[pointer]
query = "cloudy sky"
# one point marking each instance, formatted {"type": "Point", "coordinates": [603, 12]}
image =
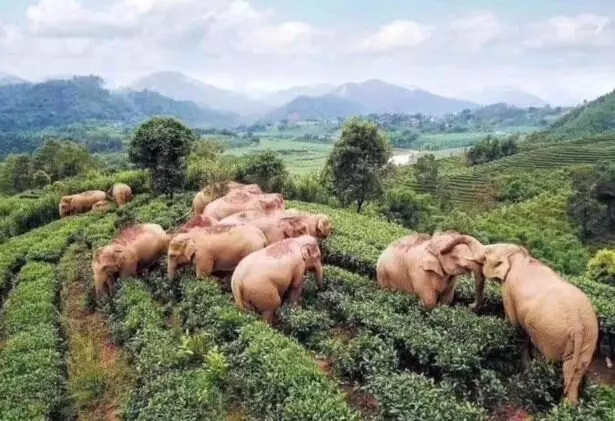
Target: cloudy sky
{"type": "Point", "coordinates": [562, 50]}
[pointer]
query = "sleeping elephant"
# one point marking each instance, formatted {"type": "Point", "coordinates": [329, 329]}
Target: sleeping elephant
{"type": "Point", "coordinates": [134, 249]}
{"type": "Point", "coordinates": [215, 249]}
{"type": "Point", "coordinates": [80, 203]}
{"type": "Point", "coordinates": [278, 228]}
{"type": "Point", "coordinates": [217, 190]}
{"type": "Point", "coordinates": [197, 222]}
{"type": "Point", "coordinates": [428, 266]}
{"type": "Point", "coordinates": [319, 225]}
{"type": "Point", "coordinates": [102, 206]}
{"type": "Point", "coordinates": [238, 201]}
{"type": "Point", "coordinates": [265, 278]}
{"type": "Point", "coordinates": [557, 317]}
{"type": "Point", "coordinates": [121, 194]}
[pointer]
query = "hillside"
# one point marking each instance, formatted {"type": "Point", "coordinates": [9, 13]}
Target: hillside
{"type": "Point", "coordinates": [325, 107]}
{"type": "Point", "coordinates": [595, 117]}
{"type": "Point", "coordinates": [59, 103]}
{"type": "Point", "coordinates": [381, 97]}
{"type": "Point", "coordinates": [184, 88]}
{"type": "Point", "coordinates": [7, 79]}
{"type": "Point", "coordinates": [281, 97]}
{"type": "Point", "coordinates": [508, 95]}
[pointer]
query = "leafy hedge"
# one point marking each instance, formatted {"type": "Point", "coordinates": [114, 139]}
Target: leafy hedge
{"type": "Point", "coordinates": [27, 213]}
{"type": "Point", "coordinates": [32, 384]}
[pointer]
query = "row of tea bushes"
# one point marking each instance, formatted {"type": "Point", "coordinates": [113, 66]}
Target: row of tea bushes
{"type": "Point", "coordinates": [359, 240]}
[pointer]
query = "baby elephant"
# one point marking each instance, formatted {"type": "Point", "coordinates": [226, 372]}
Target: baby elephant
{"type": "Point", "coordinates": [265, 278]}
{"type": "Point", "coordinates": [135, 249]}
{"type": "Point", "coordinates": [556, 315]}
{"type": "Point", "coordinates": [215, 249]}
{"type": "Point", "coordinates": [121, 194]}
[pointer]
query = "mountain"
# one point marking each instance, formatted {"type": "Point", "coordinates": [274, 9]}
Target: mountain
{"type": "Point", "coordinates": [6, 79]}
{"type": "Point", "coordinates": [58, 103]}
{"type": "Point", "coordinates": [282, 97]}
{"type": "Point", "coordinates": [508, 95]}
{"type": "Point", "coordinates": [184, 88]}
{"type": "Point", "coordinates": [316, 108]}
{"type": "Point", "coordinates": [381, 97]}
{"type": "Point", "coordinates": [594, 117]}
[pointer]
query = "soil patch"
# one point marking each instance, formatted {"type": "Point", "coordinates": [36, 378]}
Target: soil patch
{"type": "Point", "coordinates": [600, 373]}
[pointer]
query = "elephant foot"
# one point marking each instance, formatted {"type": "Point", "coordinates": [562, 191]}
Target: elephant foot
{"type": "Point", "coordinates": [609, 364]}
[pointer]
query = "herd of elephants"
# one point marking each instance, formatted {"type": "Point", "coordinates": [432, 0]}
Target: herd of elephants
{"type": "Point", "coordinates": [237, 228]}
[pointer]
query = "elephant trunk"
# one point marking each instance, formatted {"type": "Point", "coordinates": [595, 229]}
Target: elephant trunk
{"type": "Point", "coordinates": [100, 280]}
{"type": "Point", "coordinates": [171, 269]}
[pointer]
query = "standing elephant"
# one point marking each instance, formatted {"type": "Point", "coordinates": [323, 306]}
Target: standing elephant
{"type": "Point", "coordinates": [80, 203]}
{"type": "Point", "coordinates": [135, 249]}
{"type": "Point", "coordinates": [557, 317]}
{"type": "Point", "coordinates": [238, 201]}
{"type": "Point", "coordinates": [121, 193]}
{"type": "Point", "coordinates": [217, 190]}
{"type": "Point", "coordinates": [428, 266]}
{"type": "Point", "coordinates": [215, 249]}
{"type": "Point", "coordinates": [265, 278]}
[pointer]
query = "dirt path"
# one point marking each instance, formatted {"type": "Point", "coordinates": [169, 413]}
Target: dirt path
{"type": "Point", "coordinates": [98, 373]}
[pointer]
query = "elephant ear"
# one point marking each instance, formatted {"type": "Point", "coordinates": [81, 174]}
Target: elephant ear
{"type": "Point", "coordinates": [431, 263]}
{"type": "Point", "coordinates": [321, 225]}
{"type": "Point", "coordinates": [189, 249]}
{"type": "Point", "coordinates": [309, 251]}
{"type": "Point", "coordinates": [288, 229]}
{"type": "Point", "coordinates": [497, 266]}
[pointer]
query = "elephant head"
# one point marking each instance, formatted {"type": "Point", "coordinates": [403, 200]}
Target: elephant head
{"type": "Point", "coordinates": [496, 260]}
{"type": "Point", "coordinates": [66, 206]}
{"type": "Point", "coordinates": [181, 252]}
{"type": "Point", "coordinates": [310, 252]}
{"type": "Point", "coordinates": [323, 226]}
{"type": "Point", "coordinates": [294, 227]}
{"type": "Point", "coordinates": [458, 254]}
{"type": "Point", "coordinates": [107, 264]}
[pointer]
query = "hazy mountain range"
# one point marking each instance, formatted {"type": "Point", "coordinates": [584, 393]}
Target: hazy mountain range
{"type": "Point", "coordinates": [321, 101]}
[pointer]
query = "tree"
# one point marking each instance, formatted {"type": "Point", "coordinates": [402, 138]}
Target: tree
{"type": "Point", "coordinates": [426, 172]}
{"type": "Point", "coordinates": [266, 169]}
{"type": "Point", "coordinates": [15, 174]}
{"type": "Point", "coordinates": [358, 162]}
{"type": "Point", "coordinates": [161, 145]}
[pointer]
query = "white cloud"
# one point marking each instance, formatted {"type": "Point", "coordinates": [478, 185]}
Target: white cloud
{"type": "Point", "coordinates": [396, 35]}
{"type": "Point", "coordinates": [472, 32]}
{"type": "Point", "coordinates": [572, 31]}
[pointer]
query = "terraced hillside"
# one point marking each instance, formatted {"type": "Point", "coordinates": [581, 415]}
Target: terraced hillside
{"type": "Point", "coordinates": [181, 350]}
{"type": "Point", "coordinates": [467, 186]}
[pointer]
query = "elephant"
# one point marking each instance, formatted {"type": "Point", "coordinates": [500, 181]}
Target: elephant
{"type": "Point", "coordinates": [246, 216]}
{"type": "Point", "coordinates": [217, 190]}
{"type": "Point", "coordinates": [556, 316]}
{"type": "Point", "coordinates": [267, 277]}
{"type": "Point", "coordinates": [277, 228]}
{"type": "Point", "coordinates": [428, 266]}
{"type": "Point", "coordinates": [215, 249]}
{"type": "Point", "coordinates": [319, 225]}
{"type": "Point", "coordinates": [80, 203]}
{"type": "Point", "coordinates": [133, 250]}
{"type": "Point", "coordinates": [121, 193]}
{"type": "Point", "coordinates": [198, 222]}
{"type": "Point", "coordinates": [238, 201]}
{"type": "Point", "coordinates": [101, 206]}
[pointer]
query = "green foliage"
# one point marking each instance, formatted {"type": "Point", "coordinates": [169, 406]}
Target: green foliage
{"type": "Point", "coordinates": [491, 149]}
{"type": "Point", "coordinates": [601, 267]}
{"type": "Point", "coordinates": [595, 117]}
{"type": "Point", "coordinates": [405, 207]}
{"type": "Point", "coordinates": [426, 171]}
{"type": "Point", "coordinates": [31, 379]}
{"type": "Point", "coordinates": [161, 146]}
{"type": "Point", "coordinates": [598, 405]}
{"type": "Point", "coordinates": [265, 169]}
{"type": "Point", "coordinates": [356, 163]}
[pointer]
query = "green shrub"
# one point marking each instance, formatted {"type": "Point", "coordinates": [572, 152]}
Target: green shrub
{"type": "Point", "coordinates": [597, 404]}
{"type": "Point", "coordinates": [32, 385]}
{"type": "Point", "coordinates": [601, 267]}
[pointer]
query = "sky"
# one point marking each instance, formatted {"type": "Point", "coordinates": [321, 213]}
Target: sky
{"type": "Point", "coordinates": [561, 50]}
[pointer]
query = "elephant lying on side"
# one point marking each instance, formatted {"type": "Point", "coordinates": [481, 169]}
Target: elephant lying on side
{"type": "Point", "coordinates": [265, 278]}
{"type": "Point", "coordinates": [319, 225]}
{"type": "Point", "coordinates": [215, 249]}
{"type": "Point", "coordinates": [80, 203]}
{"type": "Point", "coordinates": [277, 229]}
{"type": "Point", "coordinates": [239, 201]}
{"type": "Point", "coordinates": [217, 190]}
{"type": "Point", "coordinates": [557, 317]}
{"type": "Point", "coordinates": [419, 264]}
{"type": "Point", "coordinates": [135, 249]}
{"type": "Point", "coordinates": [121, 193]}
{"type": "Point", "coordinates": [197, 222]}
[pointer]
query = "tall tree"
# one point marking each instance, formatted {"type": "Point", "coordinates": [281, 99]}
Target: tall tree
{"type": "Point", "coordinates": [161, 145]}
{"type": "Point", "coordinates": [357, 164]}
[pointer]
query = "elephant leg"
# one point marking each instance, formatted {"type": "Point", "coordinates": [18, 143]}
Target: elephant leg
{"type": "Point", "coordinates": [447, 297]}
{"type": "Point", "coordinates": [269, 316]}
{"type": "Point", "coordinates": [295, 288]}
{"type": "Point", "coordinates": [204, 265]}
{"type": "Point", "coordinates": [428, 298]}
{"type": "Point", "coordinates": [573, 377]}
{"type": "Point", "coordinates": [526, 351]}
